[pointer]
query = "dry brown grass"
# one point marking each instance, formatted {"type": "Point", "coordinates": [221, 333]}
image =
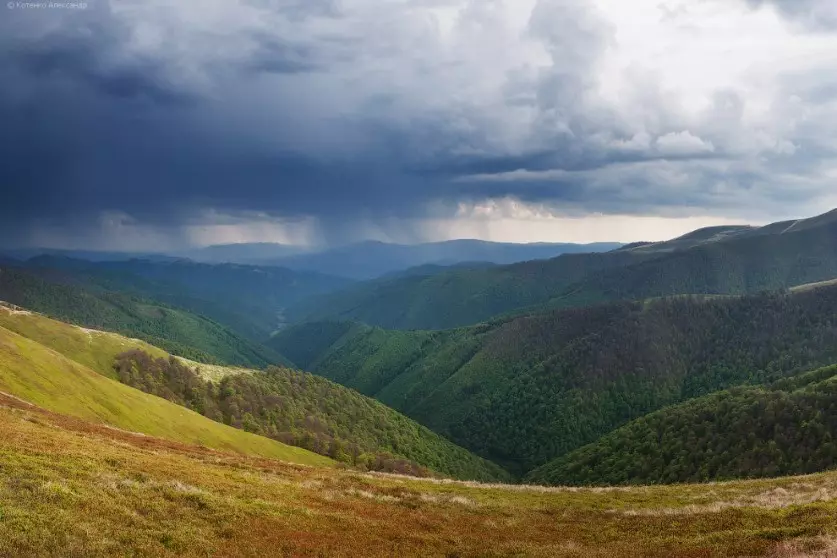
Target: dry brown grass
{"type": "Point", "coordinates": [72, 488]}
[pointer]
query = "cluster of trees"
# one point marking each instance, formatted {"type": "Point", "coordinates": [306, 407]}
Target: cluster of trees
{"type": "Point", "coordinates": [177, 331]}
{"type": "Point", "coordinates": [524, 391]}
{"type": "Point", "coordinates": [307, 411]}
{"type": "Point", "coordinates": [784, 429]}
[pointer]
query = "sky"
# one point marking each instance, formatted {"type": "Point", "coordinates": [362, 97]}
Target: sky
{"type": "Point", "coordinates": [162, 124]}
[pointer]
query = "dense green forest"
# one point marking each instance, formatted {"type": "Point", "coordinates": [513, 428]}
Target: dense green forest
{"type": "Point", "coordinates": [717, 260]}
{"type": "Point", "coordinates": [526, 390]}
{"type": "Point", "coordinates": [305, 343]}
{"type": "Point", "coordinates": [175, 330]}
{"type": "Point", "coordinates": [248, 299]}
{"type": "Point", "coordinates": [748, 264]}
{"type": "Point", "coordinates": [310, 412]}
{"type": "Point", "coordinates": [783, 429]}
{"type": "Point", "coordinates": [459, 296]}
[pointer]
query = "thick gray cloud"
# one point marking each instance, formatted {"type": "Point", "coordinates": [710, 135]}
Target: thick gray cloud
{"type": "Point", "coordinates": [814, 14]}
{"type": "Point", "coordinates": [357, 110]}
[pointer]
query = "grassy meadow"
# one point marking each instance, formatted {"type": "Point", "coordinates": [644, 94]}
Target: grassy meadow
{"type": "Point", "coordinates": [74, 488]}
{"type": "Point", "coordinates": [47, 378]}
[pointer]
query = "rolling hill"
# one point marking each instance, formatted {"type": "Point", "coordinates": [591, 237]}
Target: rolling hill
{"type": "Point", "coordinates": [175, 330]}
{"type": "Point", "coordinates": [456, 297]}
{"type": "Point", "coordinates": [523, 391]}
{"type": "Point", "coordinates": [47, 378]}
{"type": "Point", "coordinates": [774, 257]}
{"type": "Point", "coordinates": [248, 299]}
{"type": "Point", "coordinates": [717, 260]}
{"type": "Point", "coordinates": [761, 431]}
{"type": "Point", "coordinates": [285, 405]}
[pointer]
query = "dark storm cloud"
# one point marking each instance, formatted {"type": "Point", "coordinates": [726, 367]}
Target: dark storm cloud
{"type": "Point", "coordinates": [338, 110]}
{"type": "Point", "coordinates": [98, 126]}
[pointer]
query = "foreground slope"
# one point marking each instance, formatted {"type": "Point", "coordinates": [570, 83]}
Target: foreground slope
{"type": "Point", "coordinates": [785, 428]}
{"type": "Point", "coordinates": [47, 378]}
{"type": "Point", "coordinates": [527, 390]}
{"type": "Point", "coordinates": [175, 330]}
{"type": "Point", "coordinates": [286, 405]}
{"type": "Point", "coordinates": [74, 488]}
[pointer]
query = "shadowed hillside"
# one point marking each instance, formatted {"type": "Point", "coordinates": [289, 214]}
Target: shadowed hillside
{"type": "Point", "coordinates": [523, 391]}
{"type": "Point", "coordinates": [766, 431]}
{"type": "Point", "coordinates": [717, 260]}
{"type": "Point", "coordinates": [248, 299]}
{"type": "Point", "coordinates": [177, 331]}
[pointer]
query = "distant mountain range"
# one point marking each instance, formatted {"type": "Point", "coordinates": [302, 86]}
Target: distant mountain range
{"type": "Point", "coordinates": [716, 260]}
{"type": "Point", "coordinates": [368, 260]}
{"type": "Point", "coordinates": [364, 260]}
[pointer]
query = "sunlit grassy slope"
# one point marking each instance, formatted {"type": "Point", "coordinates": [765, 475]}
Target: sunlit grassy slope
{"type": "Point", "coordinates": [47, 378]}
{"type": "Point", "coordinates": [310, 405]}
{"type": "Point", "coordinates": [92, 348]}
{"type": "Point", "coordinates": [72, 488]}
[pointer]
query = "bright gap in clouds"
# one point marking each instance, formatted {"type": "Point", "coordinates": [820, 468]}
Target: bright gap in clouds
{"type": "Point", "coordinates": [513, 221]}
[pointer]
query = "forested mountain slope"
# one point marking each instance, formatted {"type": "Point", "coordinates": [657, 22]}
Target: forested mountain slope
{"type": "Point", "coordinates": [750, 262]}
{"type": "Point", "coordinates": [246, 298]}
{"type": "Point", "coordinates": [459, 296]}
{"type": "Point", "coordinates": [717, 260]}
{"type": "Point", "coordinates": [310, 412]}
{"type": "Point", "coordinates": [786, 428]}
{"type": "Point", "coordinates": [47, 378]}
{"type": "Point", "coordinates": [526, 390]}
{"type": "Point", "coordinates": [177, 331]}
{"type": "Point", "coordinates": [289, 406]}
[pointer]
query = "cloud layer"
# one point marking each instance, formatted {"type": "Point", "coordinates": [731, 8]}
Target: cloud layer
{"type": "Point", "coordinates": [328, 119]}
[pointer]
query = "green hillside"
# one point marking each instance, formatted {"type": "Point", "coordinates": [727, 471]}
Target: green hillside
{"type": "Point", "coordinates": [94, 349]}
{"type": "Point", "coordinates": [286, 405]}
{"type": "Point", "coordinates": [248, 299]}
{"type": "Point", "coordinates": [303, 344]}
{"type": "Point", "coordinates": [526, 390]}
{"type": "Point", "coordinates": [806, 253]}
{"type": "Point", "coordinates": [457, 297]}
{"type": "Point", "coordinates": [175, 330]}
{"type": "Point", "coordinates": [308, 411]}
{"type": "Point", "coordinates": [47, 378]}
{"type": "Point", "coordinates": [783, 429]}
{"type": "Point", "coordinates": [716, 260]}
